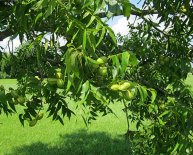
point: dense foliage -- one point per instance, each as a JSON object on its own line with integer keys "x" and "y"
{"x": 144, "y": 70}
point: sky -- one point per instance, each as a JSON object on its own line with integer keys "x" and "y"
{"x": 118, "y": 24}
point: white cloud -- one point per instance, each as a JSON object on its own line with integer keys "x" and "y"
{"x": 62, "y": 41}
{"x": 7, "y": 44}
{"x": 121, "y": 23}
{"x": 121, "y": 26}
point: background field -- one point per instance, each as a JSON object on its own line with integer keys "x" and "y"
{"x": 104, "y": 136}
{"x": 189, "y": 80}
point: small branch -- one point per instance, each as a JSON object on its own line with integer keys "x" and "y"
{"x": 133, "y": 12}
{"x": 162, "y": 91}
{"x": 151, "y": 23}
{"x": 127, "y": 115}
{"x": 7, "y": 33}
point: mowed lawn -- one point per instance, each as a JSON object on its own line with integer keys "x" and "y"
{"x": 189, "y": 80}
{"x": 103, "y": 136}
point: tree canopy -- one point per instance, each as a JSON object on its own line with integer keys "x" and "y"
{"x": 144, "y": 70}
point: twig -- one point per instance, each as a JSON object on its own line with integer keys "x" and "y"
{"x": 127, "y": 115}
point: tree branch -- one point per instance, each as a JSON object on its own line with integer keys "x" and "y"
{"x": 7, "y": 33}
{"x": 133, "y": 12}
{"x": 155, "y": 27}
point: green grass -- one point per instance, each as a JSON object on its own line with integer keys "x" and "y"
{"x": 8, "y": 83}
{"x": 48, "y": 137}
{"x": 104, "y": 136}
{"x": 189, "y": 80}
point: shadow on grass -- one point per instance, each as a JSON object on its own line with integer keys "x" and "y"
{"x": 79, "y": 143}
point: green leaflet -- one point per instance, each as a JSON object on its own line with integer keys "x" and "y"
{"x": 96, "y": 93}
{"x": 117, "y": 65}
{"x": 124, "y": 62}
{"x": 133, "y": 60}
{"x": 39, "y": 16}
{"x": 40, "y": 5}
{"x": 70, "y": 82}
{"x": 50, "y": 9}
{"x": 153, "y": 94}
{"x": 101, "y": 36}
{"x": 91, "y": 21}
{"x": 71, "y": 60}
{"x": 91, "y": 40}
{"x": 112, "y": 35}
{"x": 126, "y": 8}
{"x": 143, "y": 93}
{"x": 84, "y": 39}
{"x": 84, "y": 92}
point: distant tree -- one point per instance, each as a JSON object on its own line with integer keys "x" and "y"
{"x": 5, "y": 63}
